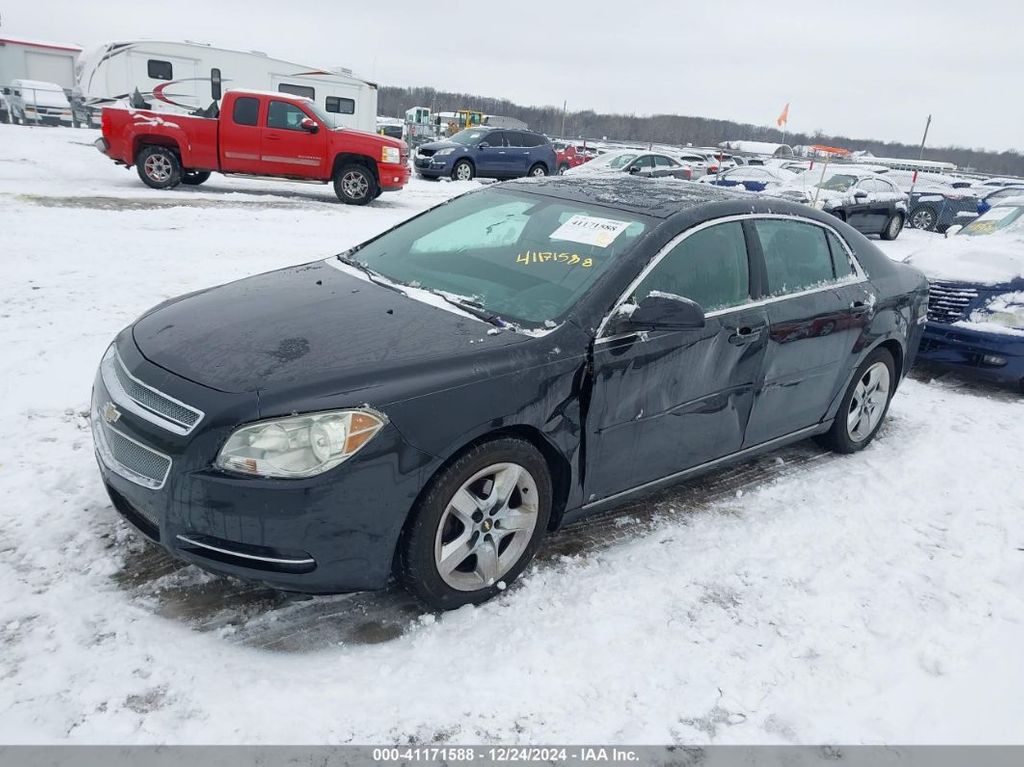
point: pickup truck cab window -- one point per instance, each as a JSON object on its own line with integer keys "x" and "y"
{"x": 284, "y": 116}
{"x": 796, "y": 255}
{"x": 246, "y": 111}
{"x": 709, "y": 267}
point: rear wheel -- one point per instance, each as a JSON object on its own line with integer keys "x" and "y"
{"x": 355, "y": 184}
{"x": 893, "y": 227}
{"x": 477, "y": 525}
{"x": 864, "y": 405}
{"x": 540, "y": 169}
{"x": 158, "y": 167}
{"x": 195, "y": 177}
{"x": 923, "y": 218}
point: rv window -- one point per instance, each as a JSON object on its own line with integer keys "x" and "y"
{"x": 341, "y": 106}
{"x": 246, "y": 111}
{"x": 159, "y": 70}
{"x": 297, "y": 90}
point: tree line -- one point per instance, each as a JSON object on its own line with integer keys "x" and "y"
{"x": 679, "y": 129}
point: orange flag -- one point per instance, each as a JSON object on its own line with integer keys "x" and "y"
{"x": 784, "y": 117}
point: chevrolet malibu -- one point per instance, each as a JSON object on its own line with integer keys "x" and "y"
{"x": 429, "y": 404}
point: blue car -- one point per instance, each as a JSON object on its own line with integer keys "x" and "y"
{"x": 936, "y": 208}
{"x": 985, "y": 203}
{"x": 487, "y": 153}
{"x": 976, "y": 297}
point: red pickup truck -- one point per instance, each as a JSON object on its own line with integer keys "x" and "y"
{"x": 256, "y": 134}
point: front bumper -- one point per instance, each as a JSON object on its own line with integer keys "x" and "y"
{"x": 393, "y": 176}
{"x": 974, "y": 352}
{"x": 433, "y": 166}
{"x": 328, "y": 534}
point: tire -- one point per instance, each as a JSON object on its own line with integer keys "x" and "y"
{"x": 562, "y": 169}
{"x": 538, "y": 169}
{"x": 478, "y": 478}
{"x": 158, "y": 167}
{"x": 355, "y": 184}
{"x": 893, "y": 227}
{"x": 923, "y": 217}
{"x": 463, "y": 170}
{"x": 194, "y": 177}
{"x": 855, "y": 426}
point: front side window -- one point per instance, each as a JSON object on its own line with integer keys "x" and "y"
{"x": 661, "y": 161}
{"x": 644, "y": 162}
{"x": 709, "y": 267}
{"x": 526, "y": 258}
{"x": 159, "y": 70}
{"x": 340, "y": 105}
{"x": 246, "y": 111}
{"x": 285, "y": 116}
{"x": 796, "y": 255}
{"x": 838, "y": 183}
{"x": 298, "y": 90}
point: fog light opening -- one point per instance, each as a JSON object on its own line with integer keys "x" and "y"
{"x": 993, "y": 360}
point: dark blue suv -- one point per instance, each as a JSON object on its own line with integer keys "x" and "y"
{"x": 487, "y": 152}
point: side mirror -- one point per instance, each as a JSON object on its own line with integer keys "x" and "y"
{"x": 216, "y": 88}
{"x": 633, "y": 170}
{"x": 860, "y": 194}
{"x": 309, "y": 125}
{"x": 953, "y": 230}
{"x": 659, "y": 311}
{"x": 7, "y": 91}
{"x": 483, "y": 145}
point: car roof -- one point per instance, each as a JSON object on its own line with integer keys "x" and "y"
{"x": 655, "y": 197}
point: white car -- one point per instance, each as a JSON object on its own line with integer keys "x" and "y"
{"x": 856, "y": 194}
{"x": 635, "y": 162}
{"x": 34, "y": 102}
{"x": 752, "y": 178}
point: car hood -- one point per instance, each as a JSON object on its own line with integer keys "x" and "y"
{"x": 435, "y": 145}
{"x": 310, "y": 325}
{"x": 994, "y": 259}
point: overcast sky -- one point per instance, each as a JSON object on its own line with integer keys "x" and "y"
{"x": 861, "y": 68}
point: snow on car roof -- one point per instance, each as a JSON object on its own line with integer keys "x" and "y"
{"x": 40, "y": 85}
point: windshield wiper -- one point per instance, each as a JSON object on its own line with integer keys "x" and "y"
{"x": 475, "y": 308}
{"x": 375, "y": 277}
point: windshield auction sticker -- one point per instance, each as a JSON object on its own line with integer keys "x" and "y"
{"x": 590, "y": 230}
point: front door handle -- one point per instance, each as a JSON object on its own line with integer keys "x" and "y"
{"x": 273, "y": 137}
{"x": 859, "y": 307}
{"x": 745, "y": 335}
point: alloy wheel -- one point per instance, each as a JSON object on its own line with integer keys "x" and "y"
{"x": 486, "y": 527}
{"x": 538, "y": 171}
{"x": 922, "y": 219}
{"x": 354, "y": 185}
{"x": 158, "y": 168}
{"x": 464, "y": 172}
{"x": 868, "y": 402}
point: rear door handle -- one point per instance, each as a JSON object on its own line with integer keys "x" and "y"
{"x": 273, "y": 137}
{"x": 745, "y": 335}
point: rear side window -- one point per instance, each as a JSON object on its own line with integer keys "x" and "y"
{"x": 796, "y": 255}
{"x": 246, "y": 111}
{"x": 841, "y": 264}
{"x": 297, "y": 90}
{"x": 159, "y": 70}
{"x": 341, "y": 106}
{"x": 709, "y": 267}
{"x": 533, "y": 139}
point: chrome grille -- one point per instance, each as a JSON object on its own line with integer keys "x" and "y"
{"x": 145, "y": 401}
{"x": 128, "y": 458}
{"x": 948, "y": 302}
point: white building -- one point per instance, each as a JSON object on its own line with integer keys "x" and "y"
{"x": 22, "y": 59}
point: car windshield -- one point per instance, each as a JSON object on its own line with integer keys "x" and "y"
{"x": 837, "y": 183}
{"x": 616, "y": 161}
{"x": 523, "y": 258}
{"x": 993, "y": 220}
{"x": 468, "y": 137}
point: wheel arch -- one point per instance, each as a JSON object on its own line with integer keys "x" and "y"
{"x": 147, "y": 140}
{"x": 351, "y": 158}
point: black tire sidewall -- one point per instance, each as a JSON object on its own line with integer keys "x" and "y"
{"x": 371, "y": 184}
{"x": 195, "y": 177}
{"x": 886, "y": 235}
{"x": 415, "y": 564}
{"x": 455, "y": 170}
{"x": 140, "y": 163}
{"x": 534, "y": 167}
{"x": 838, "y": 437}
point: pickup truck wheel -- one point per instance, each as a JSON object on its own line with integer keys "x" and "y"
{"x": 194, "y": 177}
{"x": 158, "y": 167}
{"x": 355, "y": 185}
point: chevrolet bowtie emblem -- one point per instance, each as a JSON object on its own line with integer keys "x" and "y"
{"x": 110, "y": 413}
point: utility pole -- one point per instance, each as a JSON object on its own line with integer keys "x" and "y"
{"x": 925, "y": 137}
{"x": 561, "y": 133}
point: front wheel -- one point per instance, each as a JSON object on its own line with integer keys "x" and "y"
{"x": 893, "y": 227}
{"x": 158, "y": 167}
{"x": 540, "y": 169}
{"x": 864, "y": 405}
{"x": 195, "y": 177}
{"x": 923, "y": 218}
{"x": 477, "y": 526}
{"x": 355, "y": 185}
{"x": 463, "y": 171}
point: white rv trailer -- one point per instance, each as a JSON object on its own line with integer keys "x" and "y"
{"x": 22, "y": 59}
{"x": 183, "y": 76}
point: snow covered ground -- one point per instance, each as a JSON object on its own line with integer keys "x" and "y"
{"x": 875, "y": 598}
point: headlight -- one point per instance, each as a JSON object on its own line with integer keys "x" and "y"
{"x": 1006, "y": 310}
{"x": 299, "y": 446}
{"x": 390, "y": 154}
{"x": 444, "y": 152}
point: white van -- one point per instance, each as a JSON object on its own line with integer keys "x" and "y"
{"x": 34, "y": 102}
{"x": 186, "y": 76}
